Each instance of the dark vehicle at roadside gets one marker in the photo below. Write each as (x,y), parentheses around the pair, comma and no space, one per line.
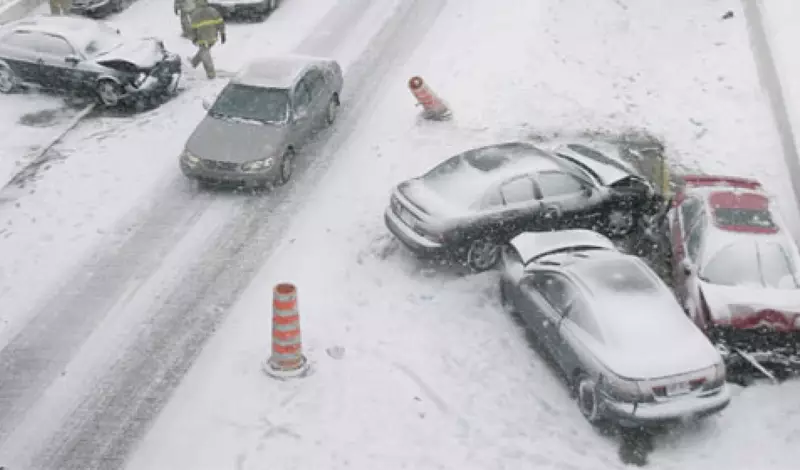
(98,8)
(471,204)
(83,57)
(613,329)
(253,10)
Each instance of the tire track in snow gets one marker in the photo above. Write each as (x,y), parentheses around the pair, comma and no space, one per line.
(102,430)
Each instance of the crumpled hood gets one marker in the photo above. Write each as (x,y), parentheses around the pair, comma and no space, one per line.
(747,307)
(239,142)
(430,201)
(143,53)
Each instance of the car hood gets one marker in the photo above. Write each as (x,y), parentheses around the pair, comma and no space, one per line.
(609,173)
(143,53)
(750,307)
(429,201)
(225,140)
(659,342)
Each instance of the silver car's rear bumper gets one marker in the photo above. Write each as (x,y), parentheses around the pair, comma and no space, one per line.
(674,410)
(414,241)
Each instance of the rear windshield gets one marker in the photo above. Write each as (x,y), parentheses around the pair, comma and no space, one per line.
(753,264)
(617,275)
(753,218)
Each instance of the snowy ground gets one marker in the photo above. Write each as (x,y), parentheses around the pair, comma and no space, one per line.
(115,271)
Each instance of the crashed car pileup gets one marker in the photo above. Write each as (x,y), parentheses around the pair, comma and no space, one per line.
(84,57)
(736,272)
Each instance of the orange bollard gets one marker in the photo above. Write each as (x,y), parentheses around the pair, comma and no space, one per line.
(433,106)
(287,359)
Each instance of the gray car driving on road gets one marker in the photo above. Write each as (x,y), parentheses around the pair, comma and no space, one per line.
(613,328)
(253,129)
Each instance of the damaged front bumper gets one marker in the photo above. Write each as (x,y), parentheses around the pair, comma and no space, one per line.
(161,81)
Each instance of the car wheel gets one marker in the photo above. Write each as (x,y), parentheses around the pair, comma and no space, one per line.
(482,255)
(505,297)
(332,111)
(586,397)
(8,81)
(620,222)
(109,93)
(286,168)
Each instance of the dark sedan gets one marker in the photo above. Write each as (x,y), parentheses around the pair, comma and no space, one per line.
(256,10)
(472,203)
(84,57)
(98,8)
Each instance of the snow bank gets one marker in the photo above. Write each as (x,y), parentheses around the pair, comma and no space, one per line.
(434,374)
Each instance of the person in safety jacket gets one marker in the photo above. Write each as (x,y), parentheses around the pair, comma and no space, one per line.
(60,7)
(184,9)
(207,24)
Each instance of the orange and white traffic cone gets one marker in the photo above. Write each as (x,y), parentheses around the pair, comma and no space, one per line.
(287,359)
(433,106)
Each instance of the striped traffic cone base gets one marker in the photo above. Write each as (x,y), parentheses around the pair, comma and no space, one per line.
(280,371)
(287,359)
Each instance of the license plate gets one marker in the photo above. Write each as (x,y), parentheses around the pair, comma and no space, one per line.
(678,389)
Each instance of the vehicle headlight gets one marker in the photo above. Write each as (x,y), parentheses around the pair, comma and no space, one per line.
(258,165)
(192,160)
(139,80)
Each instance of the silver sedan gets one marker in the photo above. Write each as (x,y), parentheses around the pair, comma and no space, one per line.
(258,122)
(613,328)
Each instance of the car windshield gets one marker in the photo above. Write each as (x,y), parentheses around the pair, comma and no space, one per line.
(250,103)
(102,43)
(619,275)
(463,178)
(752,263)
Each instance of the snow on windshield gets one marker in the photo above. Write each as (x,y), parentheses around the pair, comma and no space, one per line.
(252,103)
(617,275)
(753,264)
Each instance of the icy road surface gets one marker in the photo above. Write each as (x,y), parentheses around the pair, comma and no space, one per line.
(116,271)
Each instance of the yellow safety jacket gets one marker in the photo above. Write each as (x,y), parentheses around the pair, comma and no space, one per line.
(207,25)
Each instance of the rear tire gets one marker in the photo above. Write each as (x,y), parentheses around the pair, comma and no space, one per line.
(332,111)
(586,398)
(483,254)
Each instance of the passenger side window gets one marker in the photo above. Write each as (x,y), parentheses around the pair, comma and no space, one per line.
(22,40)
(302,94)
(583,317)
(518,190)
(556,183)
(53,45)
(558,292)
(690,209)
(492,199)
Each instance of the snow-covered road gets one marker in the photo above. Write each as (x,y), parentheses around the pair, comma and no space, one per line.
(116,271)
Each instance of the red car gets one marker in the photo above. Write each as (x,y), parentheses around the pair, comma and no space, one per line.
(736,272)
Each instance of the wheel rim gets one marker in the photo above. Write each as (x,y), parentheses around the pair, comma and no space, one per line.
(333,110)
(587,400)
(108,94)
(619,222)
(6,80)
(483,254)
(286,167)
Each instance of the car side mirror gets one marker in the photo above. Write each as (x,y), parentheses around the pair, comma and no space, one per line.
(206,105)
(72,59)
(687,267)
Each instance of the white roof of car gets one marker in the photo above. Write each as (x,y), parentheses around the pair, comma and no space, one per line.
(76,29)
(276,72)
(530,245)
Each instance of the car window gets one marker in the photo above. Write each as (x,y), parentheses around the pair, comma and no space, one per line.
(582,316)
(22,40)
(518,190)
(618,275)
(558,292)
(753,264)
(690,209)
(556,183)
(302,94)
(53,45)
(694,240)
(492,198)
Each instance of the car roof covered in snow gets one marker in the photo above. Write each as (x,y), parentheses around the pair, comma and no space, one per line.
(78,30)
(277,72)
(547,245)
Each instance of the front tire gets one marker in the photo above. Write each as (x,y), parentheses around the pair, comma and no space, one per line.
(620,223)
(285,168)
(8,80)
(109,93)
(483,254)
